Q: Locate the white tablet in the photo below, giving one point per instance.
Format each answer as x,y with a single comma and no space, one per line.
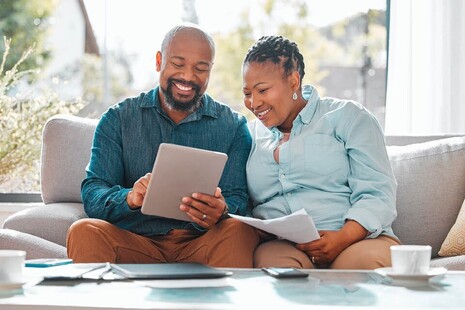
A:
180,171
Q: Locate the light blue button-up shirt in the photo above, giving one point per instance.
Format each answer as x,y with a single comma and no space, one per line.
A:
335,166
125,145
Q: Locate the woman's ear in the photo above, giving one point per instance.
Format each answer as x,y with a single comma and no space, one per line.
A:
294,80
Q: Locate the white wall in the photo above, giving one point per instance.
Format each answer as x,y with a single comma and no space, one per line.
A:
67,41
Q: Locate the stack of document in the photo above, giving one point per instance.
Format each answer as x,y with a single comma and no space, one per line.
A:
297,227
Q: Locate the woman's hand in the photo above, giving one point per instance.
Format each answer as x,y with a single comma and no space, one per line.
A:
324,250
331,243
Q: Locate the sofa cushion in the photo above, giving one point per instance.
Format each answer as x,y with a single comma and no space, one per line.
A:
67,141
431,189
455,240
451,262
49,222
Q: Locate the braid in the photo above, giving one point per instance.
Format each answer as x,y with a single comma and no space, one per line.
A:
278,50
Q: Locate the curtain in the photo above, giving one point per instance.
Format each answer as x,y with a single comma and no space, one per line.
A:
426,74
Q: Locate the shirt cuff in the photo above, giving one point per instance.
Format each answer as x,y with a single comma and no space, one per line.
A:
120,199
368,221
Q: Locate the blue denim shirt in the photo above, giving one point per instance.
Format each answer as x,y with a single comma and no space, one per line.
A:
335,166
125,145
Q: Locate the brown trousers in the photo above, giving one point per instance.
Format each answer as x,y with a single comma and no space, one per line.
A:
230,243
365,254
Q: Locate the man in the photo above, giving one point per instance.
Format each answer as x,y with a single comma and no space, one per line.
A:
125,145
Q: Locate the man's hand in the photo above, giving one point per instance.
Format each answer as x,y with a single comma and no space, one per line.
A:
203,209
136,196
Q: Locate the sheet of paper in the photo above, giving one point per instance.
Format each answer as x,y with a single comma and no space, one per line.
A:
297,227
186,283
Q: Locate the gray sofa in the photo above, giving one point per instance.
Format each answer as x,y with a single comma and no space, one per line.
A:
430,171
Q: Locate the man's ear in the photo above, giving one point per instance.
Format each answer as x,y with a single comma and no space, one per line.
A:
158,61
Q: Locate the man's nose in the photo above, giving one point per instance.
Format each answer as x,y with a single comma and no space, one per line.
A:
188,73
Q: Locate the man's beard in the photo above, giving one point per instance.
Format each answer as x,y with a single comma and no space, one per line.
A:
178,105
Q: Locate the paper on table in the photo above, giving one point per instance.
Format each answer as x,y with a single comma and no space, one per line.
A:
297,227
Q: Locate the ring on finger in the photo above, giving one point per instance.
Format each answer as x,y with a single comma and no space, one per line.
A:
204,217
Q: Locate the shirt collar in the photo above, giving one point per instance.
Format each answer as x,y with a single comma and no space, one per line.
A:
311,95
305,116
207,108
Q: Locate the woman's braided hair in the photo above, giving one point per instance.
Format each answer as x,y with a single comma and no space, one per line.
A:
278,50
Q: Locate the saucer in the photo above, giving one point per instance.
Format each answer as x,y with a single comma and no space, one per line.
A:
396,277
27,281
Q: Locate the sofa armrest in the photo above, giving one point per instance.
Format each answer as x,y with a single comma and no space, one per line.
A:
409,139
49,222
431,189
35,247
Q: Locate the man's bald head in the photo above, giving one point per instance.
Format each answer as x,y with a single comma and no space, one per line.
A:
193,30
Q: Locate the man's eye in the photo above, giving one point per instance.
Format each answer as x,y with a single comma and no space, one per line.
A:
202,69
176,65
261,91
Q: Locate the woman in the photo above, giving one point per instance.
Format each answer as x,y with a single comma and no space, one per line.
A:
325,155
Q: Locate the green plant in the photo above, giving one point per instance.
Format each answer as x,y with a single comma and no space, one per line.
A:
27,21
23,114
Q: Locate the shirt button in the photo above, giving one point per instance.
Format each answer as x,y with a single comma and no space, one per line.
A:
282,176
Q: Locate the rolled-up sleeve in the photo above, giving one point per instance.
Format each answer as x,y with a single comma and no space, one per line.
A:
373,185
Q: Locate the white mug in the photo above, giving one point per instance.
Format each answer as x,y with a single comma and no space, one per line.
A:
410,259
11,266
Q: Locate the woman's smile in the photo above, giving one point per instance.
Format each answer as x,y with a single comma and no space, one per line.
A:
261,115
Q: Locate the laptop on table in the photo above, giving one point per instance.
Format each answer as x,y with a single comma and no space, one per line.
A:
169,271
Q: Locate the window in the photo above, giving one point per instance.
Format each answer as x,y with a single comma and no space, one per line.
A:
96,52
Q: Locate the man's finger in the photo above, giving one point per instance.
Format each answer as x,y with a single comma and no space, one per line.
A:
195,219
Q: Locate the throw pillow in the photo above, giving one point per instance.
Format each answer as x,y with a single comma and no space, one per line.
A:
455,240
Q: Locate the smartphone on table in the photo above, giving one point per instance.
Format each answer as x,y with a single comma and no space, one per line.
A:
47,262
283,273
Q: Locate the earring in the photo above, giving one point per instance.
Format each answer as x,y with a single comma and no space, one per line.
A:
294,96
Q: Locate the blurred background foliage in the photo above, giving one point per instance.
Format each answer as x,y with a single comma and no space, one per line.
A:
27,22
22,116
339,44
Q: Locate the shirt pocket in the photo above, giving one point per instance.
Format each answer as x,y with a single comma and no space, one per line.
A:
324,154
